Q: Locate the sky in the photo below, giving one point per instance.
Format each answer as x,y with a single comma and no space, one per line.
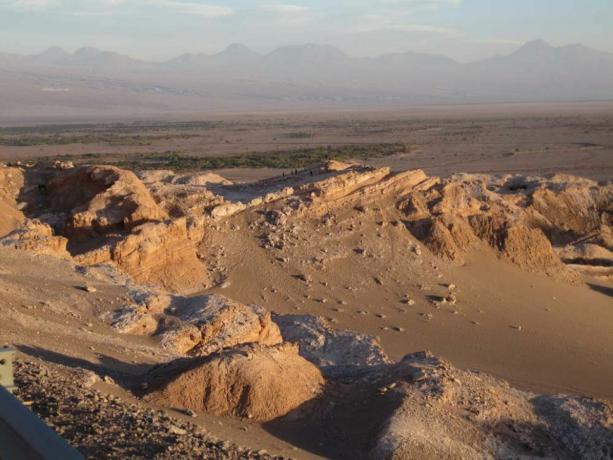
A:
465,30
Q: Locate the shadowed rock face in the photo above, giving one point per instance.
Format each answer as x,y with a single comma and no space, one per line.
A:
252,381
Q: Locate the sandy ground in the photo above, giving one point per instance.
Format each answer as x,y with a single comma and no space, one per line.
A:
565,340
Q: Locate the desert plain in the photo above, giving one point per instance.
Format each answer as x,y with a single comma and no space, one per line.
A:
249,286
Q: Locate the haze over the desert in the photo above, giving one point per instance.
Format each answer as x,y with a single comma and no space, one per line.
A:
300,230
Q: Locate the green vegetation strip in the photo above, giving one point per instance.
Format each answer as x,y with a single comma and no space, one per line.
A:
110,139
291,159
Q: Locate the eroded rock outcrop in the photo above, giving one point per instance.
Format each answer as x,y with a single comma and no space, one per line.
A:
523,219
102,199
448,413
11,182
161,254
336,352
214,322
199,325
251,381
104,214
36,237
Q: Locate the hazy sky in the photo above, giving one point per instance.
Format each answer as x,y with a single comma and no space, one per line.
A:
159,29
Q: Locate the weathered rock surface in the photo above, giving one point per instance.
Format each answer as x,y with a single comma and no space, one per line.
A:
335,352
448,413
252,381
522,218
345,183
199,325
104,214
11,182
37,237
214,322
161,254
101,199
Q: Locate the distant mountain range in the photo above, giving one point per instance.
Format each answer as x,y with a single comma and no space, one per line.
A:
95,83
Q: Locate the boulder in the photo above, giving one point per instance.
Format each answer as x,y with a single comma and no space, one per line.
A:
252,381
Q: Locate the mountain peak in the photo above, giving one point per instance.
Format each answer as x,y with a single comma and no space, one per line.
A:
535,46
54,53
237,50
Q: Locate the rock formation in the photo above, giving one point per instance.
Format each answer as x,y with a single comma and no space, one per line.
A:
335,352
11,182
448,413
216,322
200,325
159,253
37,237
151,229
101,199
251,381
521,218
104,214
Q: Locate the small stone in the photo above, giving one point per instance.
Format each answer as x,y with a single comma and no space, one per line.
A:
176,430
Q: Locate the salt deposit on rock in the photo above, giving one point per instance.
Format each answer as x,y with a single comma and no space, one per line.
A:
334,351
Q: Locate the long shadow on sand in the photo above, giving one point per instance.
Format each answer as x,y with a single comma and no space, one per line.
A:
601,289
342,424
125,374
